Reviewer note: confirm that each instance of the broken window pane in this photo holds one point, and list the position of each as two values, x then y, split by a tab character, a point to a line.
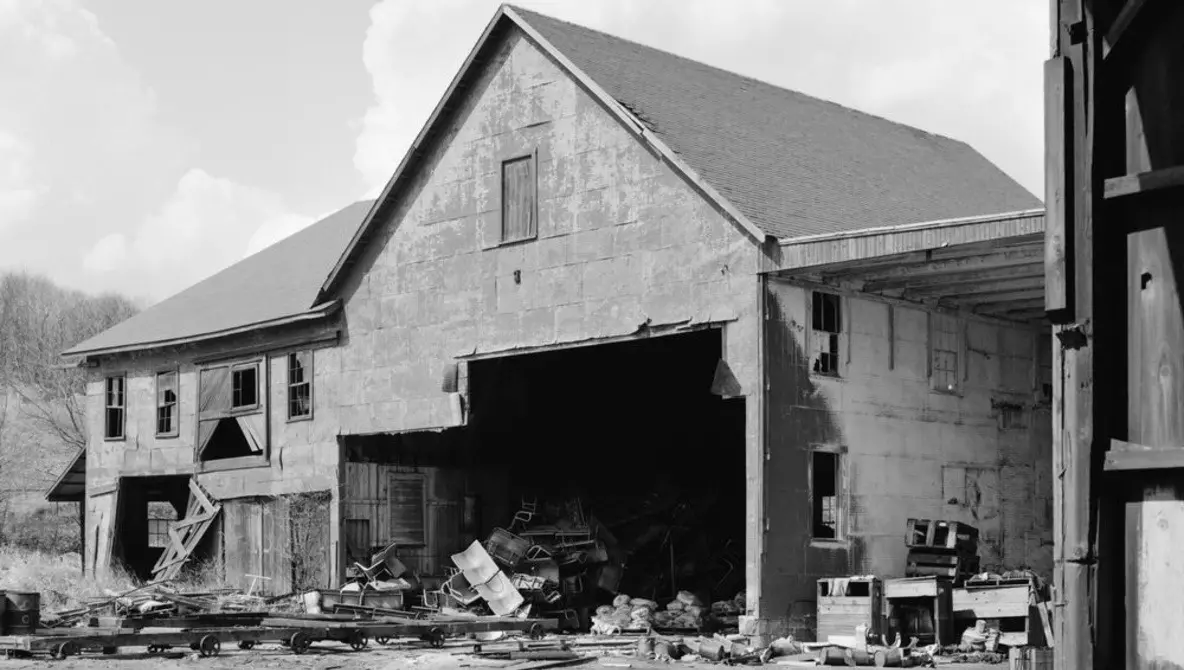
518	200
299	385
827	324
246	387
166	403
824	489
113	423
160	515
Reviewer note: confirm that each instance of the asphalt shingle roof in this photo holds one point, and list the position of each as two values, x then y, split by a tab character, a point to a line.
279	281
792	164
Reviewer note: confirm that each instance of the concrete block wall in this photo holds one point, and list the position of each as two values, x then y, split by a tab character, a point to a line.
622	241
910	451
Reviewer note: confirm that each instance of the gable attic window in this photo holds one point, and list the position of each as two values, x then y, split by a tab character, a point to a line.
166	404
231	416
300	385
827	322
520	199
115	403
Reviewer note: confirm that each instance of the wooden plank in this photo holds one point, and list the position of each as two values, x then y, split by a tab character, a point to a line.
910	588
1128	456
200	496
1144	182
997	603
1058	252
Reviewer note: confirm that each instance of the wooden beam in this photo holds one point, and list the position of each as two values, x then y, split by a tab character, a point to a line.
1144	182
1129	456
994	297
912	265
965	288
923	279
1133	12
998	309
1058	252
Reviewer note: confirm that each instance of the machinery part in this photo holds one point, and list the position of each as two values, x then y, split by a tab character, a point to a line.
63	650
209	646
358	640
536	631
382	640
299	642
246	645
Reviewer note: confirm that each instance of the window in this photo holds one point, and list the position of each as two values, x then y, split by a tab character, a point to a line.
300	385
405	495
245	386
945	345
519	199
824	489
166	403
160	515
113	424
827	324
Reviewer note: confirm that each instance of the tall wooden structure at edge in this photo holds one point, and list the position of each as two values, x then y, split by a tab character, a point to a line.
1114	122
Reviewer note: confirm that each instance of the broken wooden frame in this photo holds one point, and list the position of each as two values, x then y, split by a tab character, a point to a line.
186	533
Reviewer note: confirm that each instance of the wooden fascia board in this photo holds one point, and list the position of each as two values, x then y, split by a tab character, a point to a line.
51	494
868	245
319	312
626	118
409	158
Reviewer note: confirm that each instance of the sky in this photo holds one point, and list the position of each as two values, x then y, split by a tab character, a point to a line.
145	145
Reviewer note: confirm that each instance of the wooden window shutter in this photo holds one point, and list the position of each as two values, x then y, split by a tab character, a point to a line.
519	199
406	496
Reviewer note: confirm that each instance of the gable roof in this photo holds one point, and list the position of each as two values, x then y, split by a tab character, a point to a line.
277	283
778	162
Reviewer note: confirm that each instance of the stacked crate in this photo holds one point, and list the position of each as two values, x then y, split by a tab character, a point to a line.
938	548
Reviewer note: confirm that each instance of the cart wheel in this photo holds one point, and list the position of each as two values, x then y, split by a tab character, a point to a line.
300	642
536	631
153	649
209	646
63	650
358	641
436	638
246	645
382	640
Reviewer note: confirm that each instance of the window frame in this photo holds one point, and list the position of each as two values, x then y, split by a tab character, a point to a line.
122	407
815	334
234	369
290	385
533	159
392	478
175	431
958	334
840	506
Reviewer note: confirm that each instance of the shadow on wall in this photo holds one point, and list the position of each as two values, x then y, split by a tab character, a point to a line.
799	421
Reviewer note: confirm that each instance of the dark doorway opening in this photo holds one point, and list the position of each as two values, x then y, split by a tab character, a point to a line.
147	505
635	434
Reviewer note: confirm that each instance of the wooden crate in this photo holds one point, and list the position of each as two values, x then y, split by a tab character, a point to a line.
932	562
847	602
920	607
1012	608
943	534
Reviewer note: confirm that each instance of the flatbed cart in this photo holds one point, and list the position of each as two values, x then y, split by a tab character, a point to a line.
434	631
60	643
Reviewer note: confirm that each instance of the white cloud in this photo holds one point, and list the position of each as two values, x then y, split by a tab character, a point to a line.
207	224
914	62
18	193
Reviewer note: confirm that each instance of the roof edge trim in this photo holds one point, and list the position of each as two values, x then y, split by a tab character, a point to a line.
627	118
52	495
909	227
317	312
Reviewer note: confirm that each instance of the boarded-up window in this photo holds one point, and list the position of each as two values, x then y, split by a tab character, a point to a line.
166	404
519	199
116	408
231	420
824	489
945	345
300	385
405	494
827	325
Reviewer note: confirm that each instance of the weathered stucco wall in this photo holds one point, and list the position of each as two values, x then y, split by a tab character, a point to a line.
909	451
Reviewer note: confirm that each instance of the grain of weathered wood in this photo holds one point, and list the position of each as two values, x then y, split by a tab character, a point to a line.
1058	251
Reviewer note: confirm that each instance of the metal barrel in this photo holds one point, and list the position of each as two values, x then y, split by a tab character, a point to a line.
22	612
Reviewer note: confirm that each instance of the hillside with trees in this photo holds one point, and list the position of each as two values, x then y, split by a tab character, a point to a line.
42	407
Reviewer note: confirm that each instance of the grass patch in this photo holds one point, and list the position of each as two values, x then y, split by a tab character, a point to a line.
57	577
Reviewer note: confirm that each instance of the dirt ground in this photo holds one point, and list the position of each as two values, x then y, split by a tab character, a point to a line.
331	656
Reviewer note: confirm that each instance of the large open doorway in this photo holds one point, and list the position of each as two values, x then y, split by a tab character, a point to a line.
635	434
147	505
